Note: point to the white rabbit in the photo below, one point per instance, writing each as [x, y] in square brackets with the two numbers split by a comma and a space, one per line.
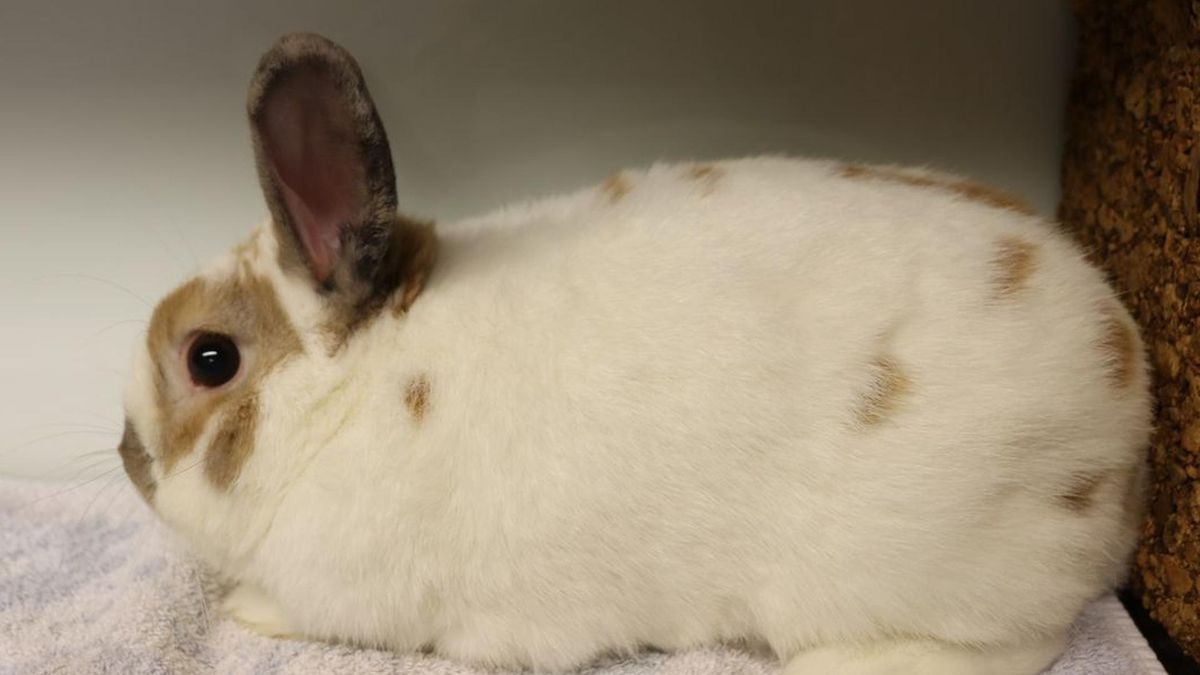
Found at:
[879, 420]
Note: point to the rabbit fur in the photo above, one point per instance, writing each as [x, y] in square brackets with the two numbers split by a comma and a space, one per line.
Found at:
[878, 420]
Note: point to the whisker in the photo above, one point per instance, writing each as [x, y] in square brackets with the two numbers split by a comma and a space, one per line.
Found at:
[101, 280]
[133, 504]
[77, 432]
[107, 419]
[60, 493]
[162, 240]
[106, 452]
[115, 497]
[76, 470]
[118, 323]
[203, 599]
[119, 372]
[186, 242]
[113, 480]
[102, 451]
[186, 468]
[77, 425]
[93, 461]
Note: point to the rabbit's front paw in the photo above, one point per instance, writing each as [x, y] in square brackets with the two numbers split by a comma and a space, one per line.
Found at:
[253, 609]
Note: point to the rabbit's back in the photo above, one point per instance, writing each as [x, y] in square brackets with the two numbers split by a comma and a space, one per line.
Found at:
[796, 400]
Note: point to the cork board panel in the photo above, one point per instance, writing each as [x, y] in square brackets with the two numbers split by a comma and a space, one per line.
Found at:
[1131, 173]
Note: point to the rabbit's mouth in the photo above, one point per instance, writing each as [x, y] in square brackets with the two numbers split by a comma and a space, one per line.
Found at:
[137, 462]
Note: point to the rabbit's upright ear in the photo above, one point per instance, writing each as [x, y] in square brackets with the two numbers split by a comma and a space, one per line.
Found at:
[326, 172]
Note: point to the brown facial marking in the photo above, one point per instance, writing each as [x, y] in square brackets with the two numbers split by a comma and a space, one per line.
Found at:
[244, 307]
[180, 428]
[1013, 263]
[232, 444]
[1118, 345]
[976, 192]
[1081, 491]
[616, 187]
[708, 175]
[888, 387]
[137, 462]
[416, 397]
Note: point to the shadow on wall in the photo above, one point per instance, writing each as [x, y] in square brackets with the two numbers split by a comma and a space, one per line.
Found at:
[489, 101]
[554, 92]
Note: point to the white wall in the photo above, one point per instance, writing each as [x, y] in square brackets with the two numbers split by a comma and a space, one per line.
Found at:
[124, 158]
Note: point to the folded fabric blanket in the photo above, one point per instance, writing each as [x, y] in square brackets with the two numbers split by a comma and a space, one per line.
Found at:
[91, 583]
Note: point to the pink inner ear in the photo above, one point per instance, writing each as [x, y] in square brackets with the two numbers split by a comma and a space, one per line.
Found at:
[310, 140]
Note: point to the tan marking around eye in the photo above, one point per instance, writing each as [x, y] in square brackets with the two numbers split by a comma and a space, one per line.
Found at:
[1081, 492]
[889, 385]
[1118, 345]
[233, 443]
[1013, 263]
[244, 306]
[976, 192]
[616, 187]
[708, 175]
[181, 428]
[416, 397]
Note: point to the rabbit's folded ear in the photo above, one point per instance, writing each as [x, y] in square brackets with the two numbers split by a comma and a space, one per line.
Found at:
[326, 172]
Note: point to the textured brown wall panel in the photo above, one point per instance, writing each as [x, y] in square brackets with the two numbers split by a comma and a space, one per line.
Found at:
[1130, 179]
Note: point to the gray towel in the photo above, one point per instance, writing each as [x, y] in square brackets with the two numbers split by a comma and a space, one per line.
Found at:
[91, 583]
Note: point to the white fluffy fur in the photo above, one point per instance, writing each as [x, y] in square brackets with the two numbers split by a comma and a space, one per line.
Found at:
[640, 431]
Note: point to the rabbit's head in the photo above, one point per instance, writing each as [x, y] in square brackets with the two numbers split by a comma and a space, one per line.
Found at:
[237, 359]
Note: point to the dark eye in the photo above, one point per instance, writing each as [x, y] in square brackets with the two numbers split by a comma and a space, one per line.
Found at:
[213, 360]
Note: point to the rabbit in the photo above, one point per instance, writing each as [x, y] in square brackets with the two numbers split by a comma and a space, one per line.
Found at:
[873, 419]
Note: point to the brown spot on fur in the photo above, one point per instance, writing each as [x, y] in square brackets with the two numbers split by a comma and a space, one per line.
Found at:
[888, 386]
[708, 175]
[233, 443]
[244, 307]
[422, 242]
[1081, 492]
[1118, 345]
[417, 397]
[137, 462]
[854, 170]
[976, 192]
[1014, 263]
[616, 187]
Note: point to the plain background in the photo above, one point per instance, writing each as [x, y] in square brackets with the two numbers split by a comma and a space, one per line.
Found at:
[125, 162]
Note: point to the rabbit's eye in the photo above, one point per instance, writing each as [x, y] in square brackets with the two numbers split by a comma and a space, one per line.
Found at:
[213, 360]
